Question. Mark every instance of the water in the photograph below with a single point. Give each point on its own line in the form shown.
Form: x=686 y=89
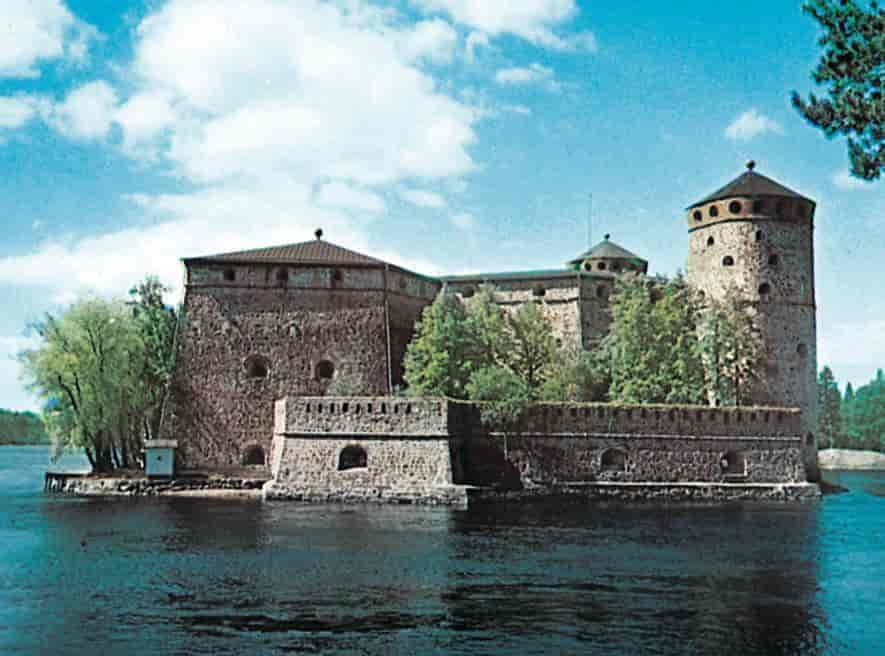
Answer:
x=187 y=576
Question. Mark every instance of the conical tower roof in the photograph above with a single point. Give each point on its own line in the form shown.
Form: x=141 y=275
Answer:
x=607 y=249
x=751 y=185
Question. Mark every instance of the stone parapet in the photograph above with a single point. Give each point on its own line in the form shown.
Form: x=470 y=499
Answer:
x=361 y=416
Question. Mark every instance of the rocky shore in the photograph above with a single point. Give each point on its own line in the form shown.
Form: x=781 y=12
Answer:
x=850 y=459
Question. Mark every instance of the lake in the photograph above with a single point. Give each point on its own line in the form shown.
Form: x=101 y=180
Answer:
x=190 y=576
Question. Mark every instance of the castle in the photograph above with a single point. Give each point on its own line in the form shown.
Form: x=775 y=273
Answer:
x=273 y=343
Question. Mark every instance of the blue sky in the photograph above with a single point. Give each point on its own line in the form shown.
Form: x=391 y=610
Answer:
x=448 y=136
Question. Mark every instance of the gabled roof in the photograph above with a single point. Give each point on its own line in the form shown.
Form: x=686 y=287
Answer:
x=608 y=249
x=316 y=251
x=749 y=183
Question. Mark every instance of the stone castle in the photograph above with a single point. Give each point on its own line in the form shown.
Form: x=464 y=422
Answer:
x=274 y=344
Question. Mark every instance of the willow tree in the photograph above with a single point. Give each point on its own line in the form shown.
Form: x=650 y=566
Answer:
x=852 y=67
x=101 y=370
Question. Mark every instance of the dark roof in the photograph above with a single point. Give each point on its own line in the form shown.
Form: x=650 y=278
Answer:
x=749 y=183
x=316 y=251
x=608 y=249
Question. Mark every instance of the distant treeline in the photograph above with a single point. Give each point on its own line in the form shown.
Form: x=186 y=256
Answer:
x=855 y=420
x=21 y=428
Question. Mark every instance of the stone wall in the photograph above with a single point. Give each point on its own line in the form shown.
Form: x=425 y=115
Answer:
x=284 y=324
x=413 y=446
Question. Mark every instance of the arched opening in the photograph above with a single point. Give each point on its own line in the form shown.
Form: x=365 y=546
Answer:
x=773 y=259
x=538 y=290
x=337 y=276
x=230 y=275
x=614 y=460
x=257 y=366
x=734 y=207
x=698 y=216
x=713 y=211
x=710 y=241
x=325 y=370
x=588 y=266
x=254 y=457
x=764 y=289
x=601 y=266
x=352 y=457
x=282 y=275
x=728 y=261
x=733 y=463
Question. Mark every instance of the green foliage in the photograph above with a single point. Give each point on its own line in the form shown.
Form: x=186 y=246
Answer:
x=101 y=370
x=829 y=400
x=22 y=428
x=653 y=343
x=501 y=393
x=477 y=351
x=852 y=69
x=577 y=376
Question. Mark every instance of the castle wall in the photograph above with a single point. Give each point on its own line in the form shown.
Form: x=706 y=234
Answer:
x=761 y=250
x=415 y=446
x=292 y=321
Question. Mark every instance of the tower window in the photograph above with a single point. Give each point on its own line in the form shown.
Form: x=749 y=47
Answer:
x=714 y=211
x=588 y=266
x=325 y=370
x=773 y=259
x=538 y=290
x=282 y=275
x=734 y=207
x=759 y=235
x=254 y=456
x=733 y=463
x=710 y=241
x=758 y=206
x=728 y=261
x=256 y=366
x=601 y=292
x=337 y=276
x=352 y=457
x=601 y=266
x=802 y=350
x=230 y=275
x=764 y=289
x=698 y=216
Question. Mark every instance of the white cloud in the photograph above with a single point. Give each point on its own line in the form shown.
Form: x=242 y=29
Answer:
x=32 y=31
x=751 y=124
x=463 y=221
x=517 y=109
x=434 y=40
x=533 y=20
x=143 y=118
x=343 y=196
x=475 y=41
x=87 y=112
x=847 y=182
x=421 y=197
x=533 y=74
x=15 y=111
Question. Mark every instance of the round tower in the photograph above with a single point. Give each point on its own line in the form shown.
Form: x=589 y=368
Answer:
x=754 y=236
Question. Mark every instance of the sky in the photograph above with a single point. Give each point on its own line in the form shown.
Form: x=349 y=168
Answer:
x=446 y=136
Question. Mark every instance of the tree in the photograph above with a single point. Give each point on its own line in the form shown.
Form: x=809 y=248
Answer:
x=852 y=67
x=577 y=376
x=829 y=424
x=436 y=362
x=503 y=396
x=653 y=343
x=533 y=347
x=731 y=348
x=155 y=323
x=848 y=433
x=100 y=371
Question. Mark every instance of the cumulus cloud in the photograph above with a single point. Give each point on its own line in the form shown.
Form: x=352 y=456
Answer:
x=842 y=179
x=343 y=196
x=533 y=20
x=533 y=74
x=33 y=31
x=751 y=124
x=87 y=112
x=434 y=40
x=15 y=111
x=464 y=221
x=421 y=197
